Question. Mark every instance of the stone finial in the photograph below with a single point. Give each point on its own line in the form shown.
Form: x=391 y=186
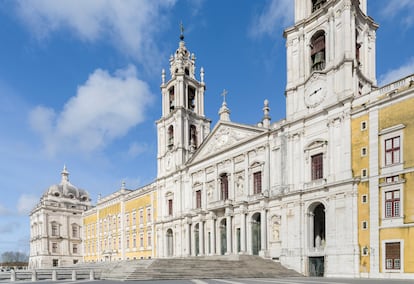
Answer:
x=266 y=116
x=65 y=174
x=163 y=76
x=202 y=74
x=224 y=111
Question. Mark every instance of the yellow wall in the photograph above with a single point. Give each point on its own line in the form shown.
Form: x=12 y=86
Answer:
x=396 y=114
x=360 y=138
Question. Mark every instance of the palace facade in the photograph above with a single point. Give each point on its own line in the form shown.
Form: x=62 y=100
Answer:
x=327 y=191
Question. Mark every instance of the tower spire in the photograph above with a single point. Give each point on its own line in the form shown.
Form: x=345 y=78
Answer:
x=181 y=31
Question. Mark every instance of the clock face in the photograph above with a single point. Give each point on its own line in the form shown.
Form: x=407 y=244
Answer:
x=315 y=93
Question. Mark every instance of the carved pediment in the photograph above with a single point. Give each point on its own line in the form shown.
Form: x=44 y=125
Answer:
x=225 y=136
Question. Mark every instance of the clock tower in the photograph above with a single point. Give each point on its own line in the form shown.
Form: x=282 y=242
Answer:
x=183 y=125
x=330 y=55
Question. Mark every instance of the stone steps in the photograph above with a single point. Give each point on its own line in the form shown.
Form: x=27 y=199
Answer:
x=199 y=267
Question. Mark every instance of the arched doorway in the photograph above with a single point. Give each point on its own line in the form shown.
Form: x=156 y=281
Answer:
x=317 y=239
x=223 y=237
x=256 y=237
x=170 y=243
x=197 y=239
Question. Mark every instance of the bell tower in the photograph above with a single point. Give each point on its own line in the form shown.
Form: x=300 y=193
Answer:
x=183 y=125
x=330 y=55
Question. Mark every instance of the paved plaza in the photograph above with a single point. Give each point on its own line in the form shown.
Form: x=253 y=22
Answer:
x=292 y=280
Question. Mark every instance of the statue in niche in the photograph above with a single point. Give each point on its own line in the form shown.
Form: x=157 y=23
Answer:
x=210 y=192
x=240 y=185
x=275 y=227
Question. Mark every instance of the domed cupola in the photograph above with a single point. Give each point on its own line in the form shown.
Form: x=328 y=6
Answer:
x=67 y=190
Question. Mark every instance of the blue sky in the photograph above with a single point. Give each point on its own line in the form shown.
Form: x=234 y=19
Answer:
x=79 y=84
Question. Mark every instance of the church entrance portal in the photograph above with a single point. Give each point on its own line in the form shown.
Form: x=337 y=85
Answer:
x=256 y=237
x=170 y=243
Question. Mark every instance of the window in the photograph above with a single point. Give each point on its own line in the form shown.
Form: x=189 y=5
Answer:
x=170 y=207
x=54 y=247
x=392 y=151
x=317 y=4
x=363 y=125
x=392 y=179
x=363 y=151
x=74 y=231
x=127 y=220
x=141 y=216
x=364 y=173
x=257 y=182
x=392 y=255
x=318 y=51
x=141 y=240
x=75 y=248
x=171 y=99
x=149 y=215
x=170 y=137
x=134 y=241
x=224 y=187
x=127 y=241
x=134 y=218
x=364 y=225
x=364 y=198
x=191 y=98
x=392 y=204
x=317 y=166
x=198 y=199
x=55 y=262
x=55 y=229
x=149 y=239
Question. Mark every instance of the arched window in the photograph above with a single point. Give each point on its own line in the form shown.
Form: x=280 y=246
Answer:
x=224 y=187
x=171 y=98
x=191 y=98
x=193 y=137
x=317 y=4
x=170 y=137
x=318 y=56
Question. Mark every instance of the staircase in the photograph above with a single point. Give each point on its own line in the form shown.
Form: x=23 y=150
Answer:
x=198 y=268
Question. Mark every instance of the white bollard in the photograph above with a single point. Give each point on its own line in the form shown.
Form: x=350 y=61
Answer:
x=12 y=276
x=91 y=275
x=73 y=275
x=54 y=275
x=34 y=276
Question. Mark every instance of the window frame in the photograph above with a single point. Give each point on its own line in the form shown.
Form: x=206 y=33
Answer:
x=385 y=135
x=317 y=166
x=257 y=182
x=401 y=256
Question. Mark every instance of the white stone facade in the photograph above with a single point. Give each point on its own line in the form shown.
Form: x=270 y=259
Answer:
x=56 y=225
x=283 y=190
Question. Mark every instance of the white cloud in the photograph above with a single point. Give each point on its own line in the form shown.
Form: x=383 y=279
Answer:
x=104 y=108
x=26 y=203
x=275 y=14
x=135 y=149
x=130 y=25
x=403 y=8
x=398 y=73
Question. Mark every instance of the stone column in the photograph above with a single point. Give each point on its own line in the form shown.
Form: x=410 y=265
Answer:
x=201 y=236
x=263 y=230
x=213 y=236
x=243 y=231
x=228 y=234
x=188 y=236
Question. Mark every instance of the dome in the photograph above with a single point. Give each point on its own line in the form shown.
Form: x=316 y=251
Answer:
x=67 y=190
